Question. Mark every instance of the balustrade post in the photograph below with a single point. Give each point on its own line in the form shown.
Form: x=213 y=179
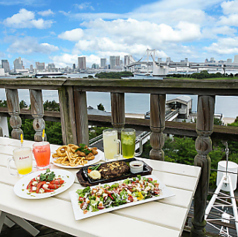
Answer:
x=1 y=132
x=14 y=111
x=118 y=111
x=37 y=112
x=157 y=125
x=67 y=114
x=81 y=116
x=203 y=145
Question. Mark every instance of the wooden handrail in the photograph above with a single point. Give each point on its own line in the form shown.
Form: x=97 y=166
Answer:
x=167 y=86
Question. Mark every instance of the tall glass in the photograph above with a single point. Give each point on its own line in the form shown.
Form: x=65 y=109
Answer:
x=23 y=160
x=111 y=144
x=41 y=151
x=128 y=141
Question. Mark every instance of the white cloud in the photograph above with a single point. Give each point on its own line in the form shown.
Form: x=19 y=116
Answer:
x=231 y=20
x=132 y=31
x=84 y=5
x=219 y=30
x=72 y=35
x=26 y=19
x=121 y=37
x=29 y=45
x=224 y=46
x=46 y=13
x=230 y=7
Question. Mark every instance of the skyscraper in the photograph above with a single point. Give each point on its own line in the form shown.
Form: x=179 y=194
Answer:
x=51 y=67
x=103 y=62
x=31 y=68
x=40 y=66
x=236 y=59
x=18 y=63
x=114 y=62
x=82 y=63
x=5 y=65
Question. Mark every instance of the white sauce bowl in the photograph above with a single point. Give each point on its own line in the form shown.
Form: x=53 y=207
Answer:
x=136 y=167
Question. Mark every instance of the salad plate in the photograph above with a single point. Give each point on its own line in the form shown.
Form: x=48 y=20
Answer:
x=98 y=157
x=20 y=188
x=80 y=214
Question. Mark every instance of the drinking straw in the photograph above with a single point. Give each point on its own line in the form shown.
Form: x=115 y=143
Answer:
x=21 y=140
x=43 y=135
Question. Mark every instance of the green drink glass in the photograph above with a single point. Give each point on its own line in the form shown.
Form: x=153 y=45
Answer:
x=128 y=141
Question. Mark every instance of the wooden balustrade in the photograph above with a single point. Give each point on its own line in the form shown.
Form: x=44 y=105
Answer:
x=14 y=110
x=37 y=111
x=74 y=118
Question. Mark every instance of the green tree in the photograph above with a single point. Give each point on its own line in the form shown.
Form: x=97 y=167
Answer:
x=23 y=104
x=3 y=103
x=101 y=107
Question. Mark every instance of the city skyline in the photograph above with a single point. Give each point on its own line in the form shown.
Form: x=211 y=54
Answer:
x=60 y=33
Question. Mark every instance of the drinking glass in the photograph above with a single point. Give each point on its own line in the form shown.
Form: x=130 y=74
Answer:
x=23 y=160
x=41 y=151
x=111 y=144
x=128 y=141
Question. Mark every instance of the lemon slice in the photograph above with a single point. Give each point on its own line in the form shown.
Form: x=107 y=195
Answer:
x=94 y=174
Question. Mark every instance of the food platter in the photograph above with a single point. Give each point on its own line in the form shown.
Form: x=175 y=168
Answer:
x=21 y=191
x=85 y=180
x=79 y=214
x=98 y=157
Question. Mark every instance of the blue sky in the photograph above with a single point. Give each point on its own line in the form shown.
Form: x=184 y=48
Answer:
x=60 y=31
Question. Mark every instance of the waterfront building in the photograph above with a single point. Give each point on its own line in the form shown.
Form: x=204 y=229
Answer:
x=159 y=60
x=18 y=64
x=212 y=60
x=5 y=65
x=31 y=68
x=229 y=60
x=82 y=63
x=168 y=59
x=95 y=66
x=114 y=62
x=103 y=62
x=40 y=66
x=74 y=66
x=127 y=60
x=236 y=59
x=51 y=67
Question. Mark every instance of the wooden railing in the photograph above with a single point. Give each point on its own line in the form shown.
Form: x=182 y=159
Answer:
x=74 y=118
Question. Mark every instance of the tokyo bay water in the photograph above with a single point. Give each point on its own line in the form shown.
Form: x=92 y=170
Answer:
x=134 y=102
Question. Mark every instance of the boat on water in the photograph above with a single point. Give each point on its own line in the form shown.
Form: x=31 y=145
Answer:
x=143 y=74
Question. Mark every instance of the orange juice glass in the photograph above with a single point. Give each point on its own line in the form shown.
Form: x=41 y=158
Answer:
x=41 y=151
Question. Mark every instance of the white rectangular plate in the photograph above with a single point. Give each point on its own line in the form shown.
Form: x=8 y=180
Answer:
x=78 y=212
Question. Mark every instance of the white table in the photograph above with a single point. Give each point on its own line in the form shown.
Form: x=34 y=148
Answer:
x=159 y=218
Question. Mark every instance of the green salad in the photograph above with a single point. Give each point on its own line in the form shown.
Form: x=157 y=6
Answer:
x=106 y=196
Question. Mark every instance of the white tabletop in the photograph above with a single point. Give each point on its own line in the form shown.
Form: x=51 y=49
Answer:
x=165 y=217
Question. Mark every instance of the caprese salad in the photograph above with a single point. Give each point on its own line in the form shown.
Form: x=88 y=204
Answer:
x=45 y=183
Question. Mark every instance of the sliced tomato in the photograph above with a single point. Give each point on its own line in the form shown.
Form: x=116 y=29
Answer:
x=150 y=179
x=39 y=185
x=53 y=186
x=57 y=182
x=49 y=190
x=130 y=198
x=100 y=207
x=30 y=183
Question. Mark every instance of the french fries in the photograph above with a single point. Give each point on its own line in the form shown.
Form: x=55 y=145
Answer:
x=68 y=156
